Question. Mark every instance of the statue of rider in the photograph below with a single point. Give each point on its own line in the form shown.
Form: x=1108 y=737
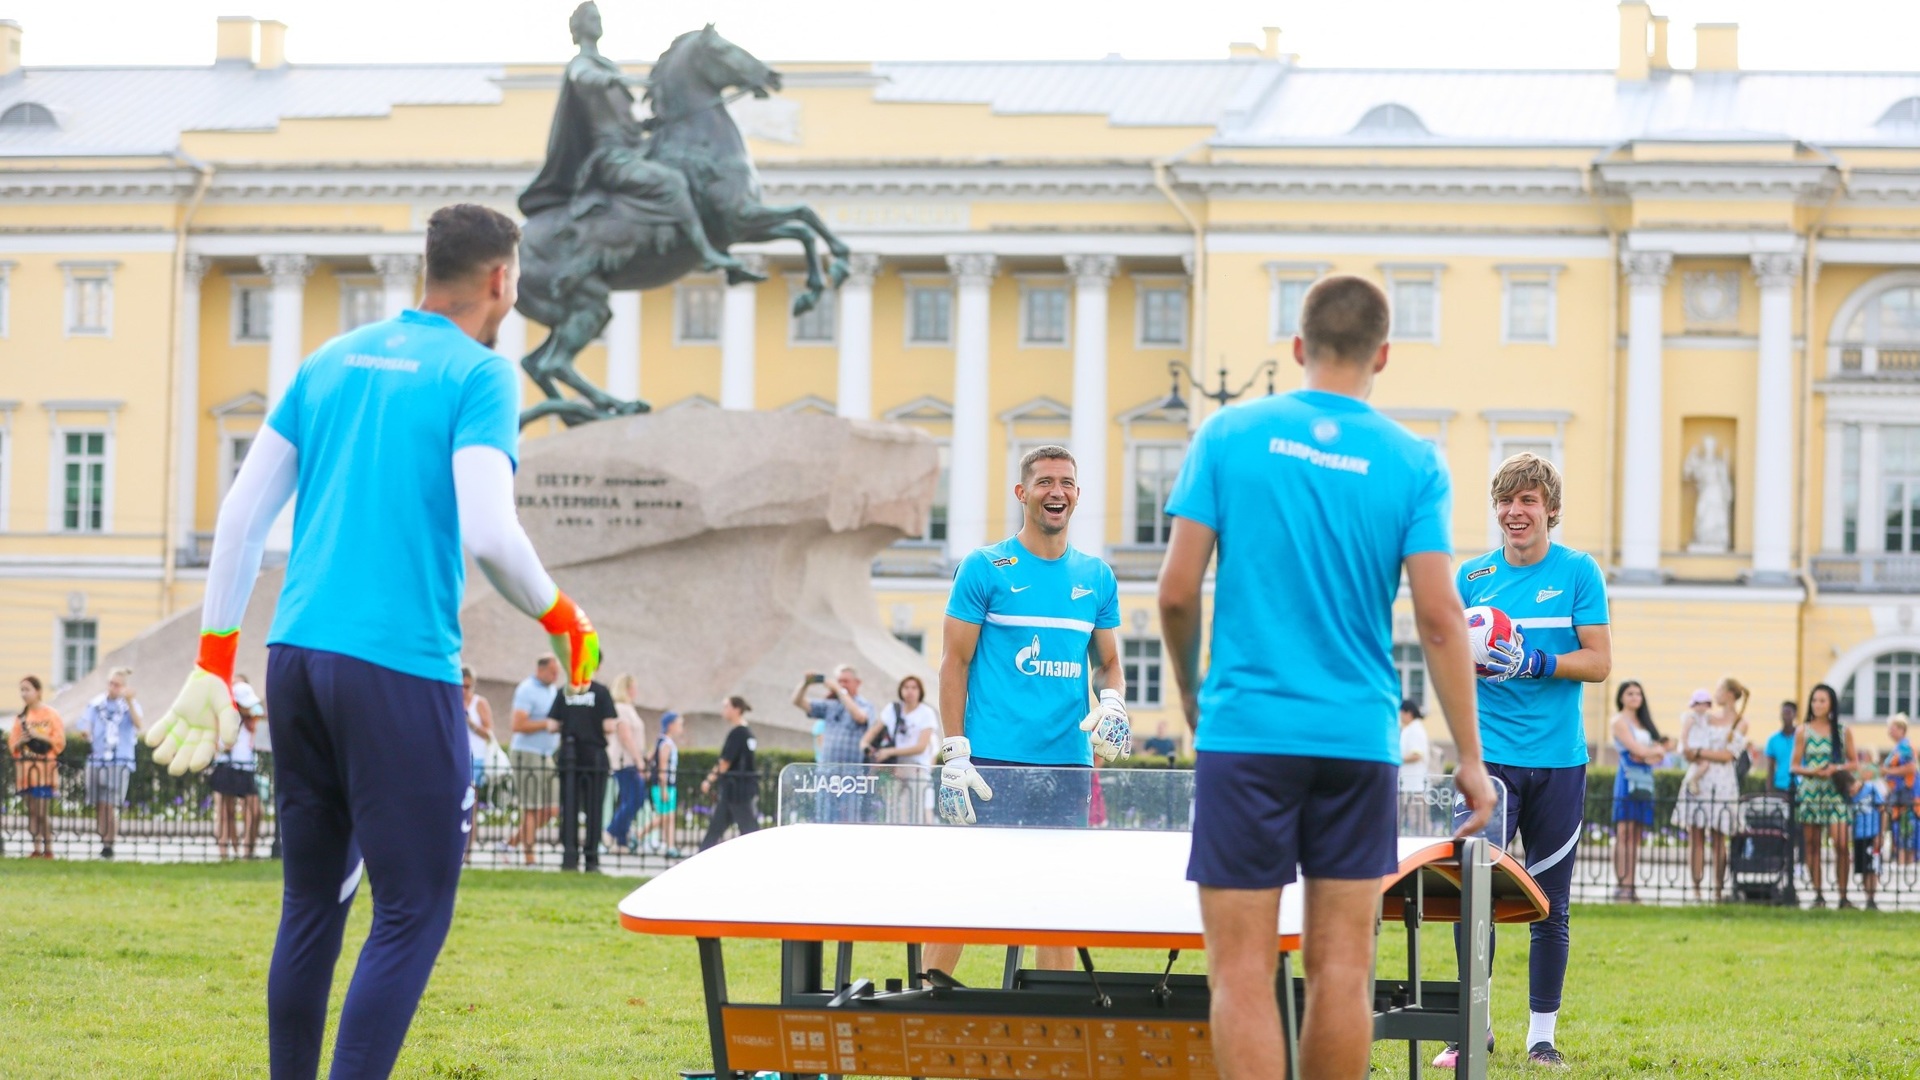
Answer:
x=596 y=150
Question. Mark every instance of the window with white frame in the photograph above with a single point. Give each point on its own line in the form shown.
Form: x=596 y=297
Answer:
x=79 y=649
x=1289 y=296
x=89 y=301
x=1528 y=304
x=912 y=639
x=1140 y=665
x=83 y=481
x=1155 y=467
x=1895 y=477
x=1896 y=684
x=1043 y=314
x=929 y=315
x=361 y=302
x=1163 y=314
x=696 y=314
x=815 y=325
x=252 y=311
x=236 y=455
x=937 y=513
x=1414 y=293
x=1884 y=335
x=1410 y=663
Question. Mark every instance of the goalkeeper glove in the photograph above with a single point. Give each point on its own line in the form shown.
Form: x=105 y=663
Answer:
x=1513 y=660
x=575 y=642
x=1108 y=728
x=202 y=720
x=959 y=781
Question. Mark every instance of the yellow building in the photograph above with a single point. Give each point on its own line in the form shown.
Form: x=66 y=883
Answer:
x=1610 y=268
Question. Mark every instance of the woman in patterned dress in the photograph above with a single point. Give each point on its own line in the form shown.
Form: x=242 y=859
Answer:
x=1819 y=808
x=1707 y=804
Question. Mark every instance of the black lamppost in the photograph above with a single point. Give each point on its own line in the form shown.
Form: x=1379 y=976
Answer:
x=1221 y=396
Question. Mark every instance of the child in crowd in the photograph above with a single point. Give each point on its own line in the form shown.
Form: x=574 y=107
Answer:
x=1898 y=769
x=663 y=785
x=1867 y=800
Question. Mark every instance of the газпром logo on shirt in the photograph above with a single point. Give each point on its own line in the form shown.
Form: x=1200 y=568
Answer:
x=1028 y=662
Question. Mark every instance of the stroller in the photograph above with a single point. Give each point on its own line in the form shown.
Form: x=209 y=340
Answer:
x=1761 y=858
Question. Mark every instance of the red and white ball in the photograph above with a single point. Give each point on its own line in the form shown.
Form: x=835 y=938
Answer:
x=1486 y=627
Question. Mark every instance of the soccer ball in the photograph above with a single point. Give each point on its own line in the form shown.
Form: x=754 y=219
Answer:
x=1486 y=627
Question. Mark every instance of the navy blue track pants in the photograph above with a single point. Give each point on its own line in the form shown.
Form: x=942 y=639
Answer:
x=371 y=774
x=1545 y=808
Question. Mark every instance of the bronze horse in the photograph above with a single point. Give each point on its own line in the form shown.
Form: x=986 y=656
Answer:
x=571 y=259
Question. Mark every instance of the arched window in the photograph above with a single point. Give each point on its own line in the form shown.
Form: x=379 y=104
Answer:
x=1390 y=119
x=27 y=114
x=1890 y=684
x=1903 y=117
x=1889 y=325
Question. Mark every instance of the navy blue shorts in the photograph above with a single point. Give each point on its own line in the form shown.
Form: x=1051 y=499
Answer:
x=1258 y=817
x=1059 y=798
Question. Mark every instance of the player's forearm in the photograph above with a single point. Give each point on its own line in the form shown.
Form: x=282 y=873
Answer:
x=1583 y=665
x=490 y=530
x=1180 y=628
x=266 y=481
x=953 y=694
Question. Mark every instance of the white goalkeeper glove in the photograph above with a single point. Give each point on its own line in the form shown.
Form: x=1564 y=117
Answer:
x=1108 y=728
x=960 y=781
x=203 y=719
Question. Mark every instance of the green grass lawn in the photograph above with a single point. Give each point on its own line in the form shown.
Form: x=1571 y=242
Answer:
x=111 y=971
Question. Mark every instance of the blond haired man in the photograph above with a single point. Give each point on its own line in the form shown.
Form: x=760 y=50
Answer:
x=1530 y=724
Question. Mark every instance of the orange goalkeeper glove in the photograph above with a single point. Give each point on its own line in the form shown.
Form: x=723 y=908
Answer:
x=575 y=641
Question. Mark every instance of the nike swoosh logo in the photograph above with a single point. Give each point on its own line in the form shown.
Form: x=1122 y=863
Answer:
x=1020 y=588
x=1079 y=592
x=1545 y=595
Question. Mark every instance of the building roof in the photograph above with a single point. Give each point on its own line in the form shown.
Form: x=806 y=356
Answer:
x=1248 y=101
x=144 y=110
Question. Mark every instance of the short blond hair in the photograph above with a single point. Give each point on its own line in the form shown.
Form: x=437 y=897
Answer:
x=1524 y=472
x=121 y=673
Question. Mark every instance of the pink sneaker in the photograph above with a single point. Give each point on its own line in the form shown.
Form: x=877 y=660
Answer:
x=1449 y=1058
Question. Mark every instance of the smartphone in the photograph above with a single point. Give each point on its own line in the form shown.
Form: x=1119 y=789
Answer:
x=816 y=678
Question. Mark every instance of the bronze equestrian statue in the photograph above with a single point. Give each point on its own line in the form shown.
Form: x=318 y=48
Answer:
x=629 y=204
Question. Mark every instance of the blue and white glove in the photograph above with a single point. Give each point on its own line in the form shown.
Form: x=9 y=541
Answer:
x=959 y=781
x=1108 y=728
x=1513 y=660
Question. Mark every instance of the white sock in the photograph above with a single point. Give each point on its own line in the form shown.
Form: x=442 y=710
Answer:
x=1540 y=1027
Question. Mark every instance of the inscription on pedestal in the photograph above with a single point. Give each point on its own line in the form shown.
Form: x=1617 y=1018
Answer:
x=581 y=500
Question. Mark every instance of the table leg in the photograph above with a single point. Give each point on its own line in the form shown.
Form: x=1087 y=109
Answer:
x=1012 y=971
x=916 y=972
x=1289 y=1016
x=1411 y=915
x=713 y=978
x=1476 y=917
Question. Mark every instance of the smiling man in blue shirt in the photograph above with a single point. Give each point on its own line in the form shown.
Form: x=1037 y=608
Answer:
x=1530 y=709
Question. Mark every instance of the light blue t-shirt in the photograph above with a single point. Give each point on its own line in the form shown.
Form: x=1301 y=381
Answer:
x=1317 y=500
x=1780 y=752
x=376 y=570
x=1028 y=686
x=535 y=698
x=1536 y=723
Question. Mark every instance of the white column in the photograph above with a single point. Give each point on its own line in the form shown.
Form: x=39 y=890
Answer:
x=399 y=281
x=1833 y=511
x=1871 y=534
x=854 y=396
x=289 y=273
x=623 y=345
x=1641 y=474
x=510 y=340
x=967 y=480
x=1092 y=275
x=1773 y=440
x=736 y=338
x=186 y=450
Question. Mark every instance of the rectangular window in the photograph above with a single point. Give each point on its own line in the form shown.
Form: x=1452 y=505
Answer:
x=1850 y=488
x=1411 y=662
x=697 y=316
x=1529 y=310
x=937 y=515
x=1163 y=316
x=252 y=313
x=1140 y=664
x=912 y=639
x=1155 y=466
x=1289 y=294
x=89 y=303
x=815 y=327
x=237 y=447
x=1896 y=684
x=83 y=471
x=1043 y=315
x=1900 y=475
x=929 y=315
x=1416 y=306
x=79 y=648
x=360 y=305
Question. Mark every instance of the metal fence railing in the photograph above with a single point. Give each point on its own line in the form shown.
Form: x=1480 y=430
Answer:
x=174 y=819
